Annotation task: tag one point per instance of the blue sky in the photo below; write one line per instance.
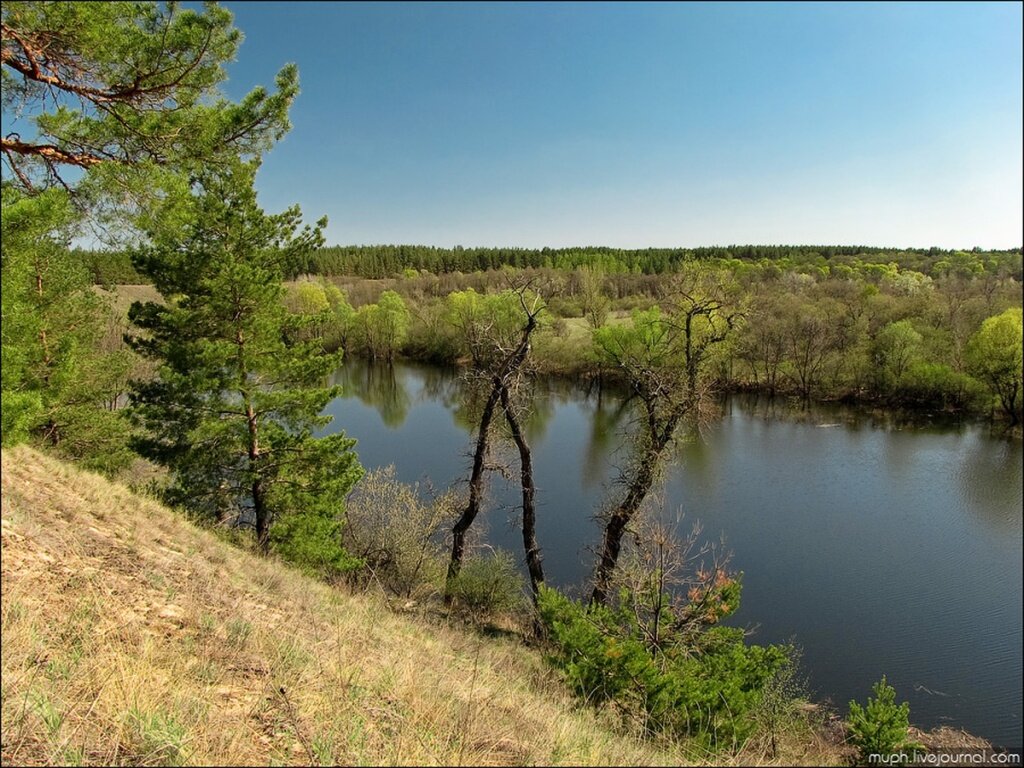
(646, 125)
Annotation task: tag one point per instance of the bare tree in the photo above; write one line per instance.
(674, 586)
(530, 546)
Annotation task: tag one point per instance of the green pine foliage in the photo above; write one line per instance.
(705, 687)
(60, 385)
(880, 728)
(238, 397)
(129, 92)
(760, 261)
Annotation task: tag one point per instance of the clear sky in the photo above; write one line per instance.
(638, 125)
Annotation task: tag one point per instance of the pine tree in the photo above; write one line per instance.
(59, 382)
(127, 92)
(880, 728)
(234, 406)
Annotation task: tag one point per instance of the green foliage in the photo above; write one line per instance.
(995, 356)
(649, 340)
(107, 267)
(837, 323)
(59, 384)
(593, 301)
(234, 404)
(20, 412)
(781, 697)
(750, 262)
(125, 95)
(704, 687)
(895, 349)
(312, 541)
(307, 298)
(321, 312)
(487, 585)
(129, 91)
(938, 384)
(398, 534)
(382, 327)
(486, 326)
(154, 738)
(880, 728)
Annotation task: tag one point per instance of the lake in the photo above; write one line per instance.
(877, 544)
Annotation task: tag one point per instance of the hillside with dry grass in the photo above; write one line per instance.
(130, 636)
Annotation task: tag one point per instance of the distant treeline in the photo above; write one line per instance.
(380, 261)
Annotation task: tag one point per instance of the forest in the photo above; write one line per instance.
(885, 327)
(189, 357)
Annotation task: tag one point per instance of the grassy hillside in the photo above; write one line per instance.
(130, 636)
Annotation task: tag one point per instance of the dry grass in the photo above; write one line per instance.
(132, 637)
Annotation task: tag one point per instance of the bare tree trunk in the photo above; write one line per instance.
(660, 435)
(616, 526)
(533, 556)
(476, 482)
(259, 505)
(259, 501)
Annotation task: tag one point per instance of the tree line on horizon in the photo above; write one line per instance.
(384, 261)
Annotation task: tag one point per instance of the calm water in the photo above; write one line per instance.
(878, 547)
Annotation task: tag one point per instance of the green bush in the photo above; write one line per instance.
(705, 688)
(398, 535)
(565, 307)
(880, 728)
(312, 541)
(488, 585)
(936, 384)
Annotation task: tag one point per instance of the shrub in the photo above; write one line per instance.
(398, 535)
(488, 585)
(880, 728)
(939, 385)
(312, 542)
(705, 688)
(153, 738)
(780, 699)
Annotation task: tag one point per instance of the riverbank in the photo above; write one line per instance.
(586, 373)
(929, 382)
(874, 543)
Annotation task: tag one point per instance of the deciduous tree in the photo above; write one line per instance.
(664, 358)
(994, 356)
(496, 331)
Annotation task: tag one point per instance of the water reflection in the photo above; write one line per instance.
(377, 386)
(885, 542)
(608, 416)
(992, 485)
